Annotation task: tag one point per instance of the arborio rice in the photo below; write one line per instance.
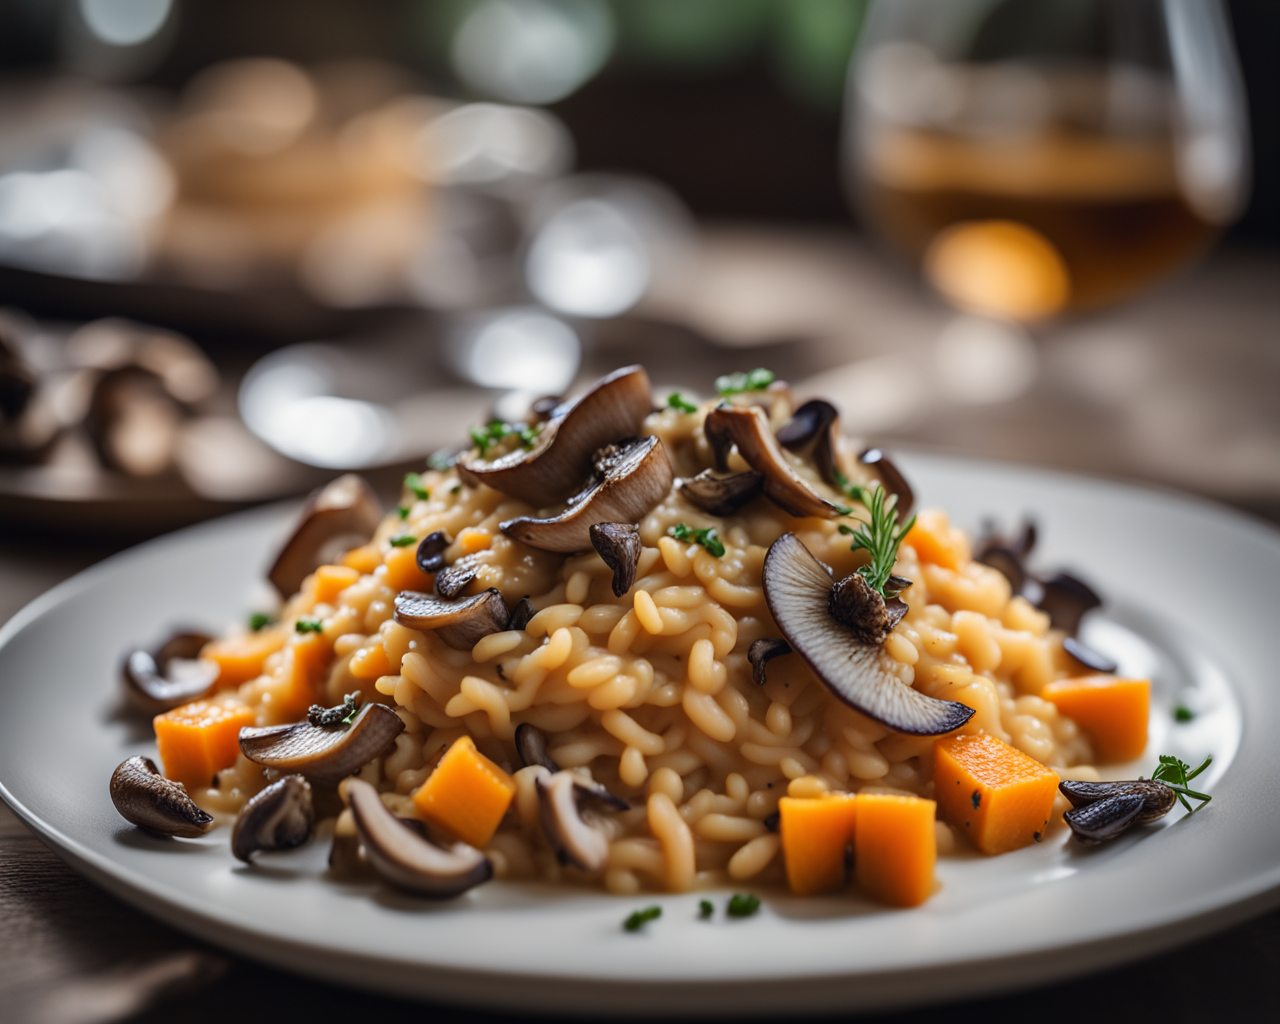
(651, 694)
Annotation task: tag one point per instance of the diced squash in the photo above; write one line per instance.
(936, 540)
(993, 793)
(817, 839)
(331, 580)
(363, 559)
(370, 662)
(306, 660)
(473, 539)
(402, 572)
(199, 739)
(467, 794)
(895, 848)
(1112, 711)
(240, 658)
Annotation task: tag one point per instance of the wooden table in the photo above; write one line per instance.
(1209, 346)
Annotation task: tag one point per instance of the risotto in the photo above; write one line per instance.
(594, 683)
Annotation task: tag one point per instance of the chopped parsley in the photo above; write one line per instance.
(737, 383)
(259, 620)
(413, 484)
(705, 909)
(708, 538)
(1182, 713)
(496, 431)
(402, 540)
(308, 626)
(1176, 774)
(640, 918)
(677, 401)
(403, 510)
(742, 905)
(343, 714)
(880, 537)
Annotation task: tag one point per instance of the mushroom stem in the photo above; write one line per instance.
(763, 651)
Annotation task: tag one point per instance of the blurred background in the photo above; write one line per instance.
(244, 245)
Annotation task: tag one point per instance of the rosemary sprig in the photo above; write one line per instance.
(880, 536)
(1175, 774)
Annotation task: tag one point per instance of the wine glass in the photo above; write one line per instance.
(1039, 157)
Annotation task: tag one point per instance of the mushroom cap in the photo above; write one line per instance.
(410, 861)
(1158, 799)
(797, 588)
(343, 514)
(811, 432)
(159, 805)
(763, 651)
(1105, 819)
(892, 479)
(323, 755)
(614, 407)
(278, 818)
(721, 495)
(619, 546)
(635, 479)
(172, 676)
(462, 623)
(575, 839)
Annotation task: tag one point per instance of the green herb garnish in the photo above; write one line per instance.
(258, 620)
(496, 431)
(402, 540)
(677, 401)
(743, 905)
(708, 538)
(308, 626)
(1176, 774)
(413, 483)
(343, 714)
(705, 909)
(881, 536)
(403, 511)
(736, 383)
(1182, 713)
(641, 917)
(456, 489)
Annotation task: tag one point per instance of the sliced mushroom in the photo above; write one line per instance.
(748, 428)
(521, 613)
(172, 676)
(1093, 660)
(571, 826)
(892, 478)
(1158, 799)
(798, 589)
(1105, 819)
(152, 802)
(325, 755)
(618, 544)
(431, 552)
(460, 624)
(454, 580)
(631, 478)
(531, 745)
(812, 433)
(614, 407)
(278, 818)
(1066, 598)
(761, 652)
(410, 861)
(870, 617)
(722, 495)
(341, 515)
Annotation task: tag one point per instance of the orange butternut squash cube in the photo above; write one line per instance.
(936, 540)
(994, 793)
(1112, 711)
(240, 658)
(370, 662)
(895, 848)
(199, 739)
(363, 559)
(467, 794)
(306, 663)
(402, 572)
(817, 840)
(331, 580)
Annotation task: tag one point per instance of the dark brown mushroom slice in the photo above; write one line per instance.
(1007, 563)
(430, 557)
(748, 429)
(798, 590)
(1105, 819)
(156, 804)
(278, 818)
(410, 861)
(811, 433)
(1093, 660)
(172, 676)
(632, 477)
(761, 652)
(325, 755)
(460, 623)
(854, 603)
(1158, 799)
(133, 422)
(531, 745)
(571, 828)
(561, 457)
(454, 580)
(619, 545)
(521, 613)
(1066, 598)
(341, 515)
(892, 478)
(722, 495)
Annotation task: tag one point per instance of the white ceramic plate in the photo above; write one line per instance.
(1192, 599)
